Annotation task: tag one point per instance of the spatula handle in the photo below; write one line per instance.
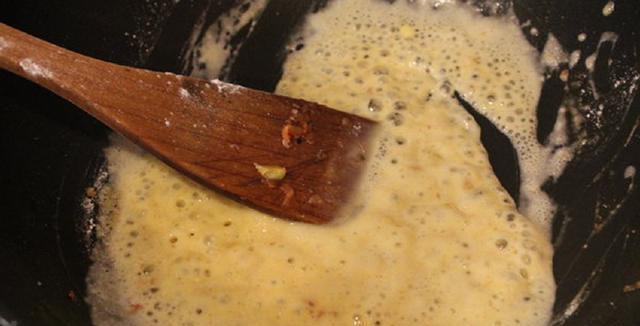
(73, 76)
(212, 131)
(130, 101)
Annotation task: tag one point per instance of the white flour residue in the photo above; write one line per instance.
(575, 303)
(34, 69)
(184, 94)
(226, 87)
(3, 44)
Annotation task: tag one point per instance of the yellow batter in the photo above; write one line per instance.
(439, 242)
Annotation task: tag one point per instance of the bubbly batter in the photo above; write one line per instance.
(439, 242)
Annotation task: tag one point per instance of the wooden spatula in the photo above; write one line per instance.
(285, 156)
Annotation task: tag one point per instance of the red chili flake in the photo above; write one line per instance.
(72, 295)
(135, 307)
(295, 129)
(91, 192)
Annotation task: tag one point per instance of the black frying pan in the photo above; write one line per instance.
(49, 151)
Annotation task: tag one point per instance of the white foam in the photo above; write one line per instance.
(582, 37)
(604, 37)
(553, 54)
(499, 74)
(574, 57)
(608, 8)
(534, 31)
(214, 50)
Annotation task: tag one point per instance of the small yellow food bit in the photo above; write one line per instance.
(407, 31)
(271, 172)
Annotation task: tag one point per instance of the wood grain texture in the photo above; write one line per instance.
(212, 131)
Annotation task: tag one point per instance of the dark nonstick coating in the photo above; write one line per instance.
(50, 151)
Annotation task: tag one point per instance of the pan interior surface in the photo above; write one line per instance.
(51, 154)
